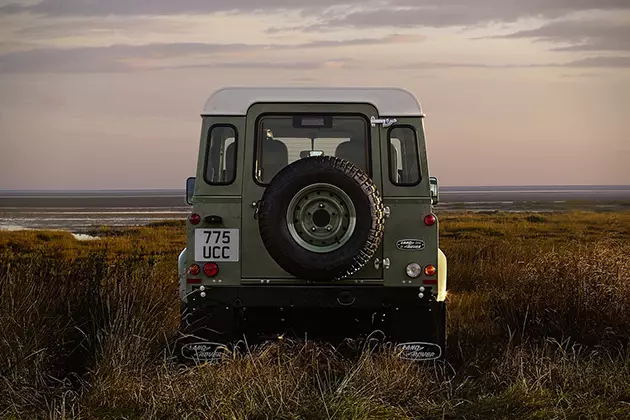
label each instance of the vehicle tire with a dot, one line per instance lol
(321, 218)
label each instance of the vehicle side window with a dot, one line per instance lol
(404, 162)
(221, 155)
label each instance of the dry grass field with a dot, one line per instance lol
(539, 328)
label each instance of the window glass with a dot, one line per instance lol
(404, 164)
(283, 139)
(221, 155)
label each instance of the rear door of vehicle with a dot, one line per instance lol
(257, 263)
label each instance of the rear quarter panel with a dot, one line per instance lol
(408, 207)
(218, 200)
(406, 221)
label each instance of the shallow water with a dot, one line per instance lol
(82, 211)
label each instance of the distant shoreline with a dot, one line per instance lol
(451, 188)
(174, 199)
(80, 211)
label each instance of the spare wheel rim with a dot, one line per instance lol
(321, 218)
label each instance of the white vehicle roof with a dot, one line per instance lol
(393, 102)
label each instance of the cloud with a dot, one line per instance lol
(590, 62)
(423, 12)
(580, 75)
(447, 13)
(115, 58)
(390, 39)
(44, 29)
(593, 35)
(127, 58)
(598, 62)
(338, 63)
(159, 7)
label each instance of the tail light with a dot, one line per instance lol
(194, 219)
(430, 270)
(430, 219)
(211, 269)
(194, 269)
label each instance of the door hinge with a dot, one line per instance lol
(256, 206)
(386, 263)
(385, 122)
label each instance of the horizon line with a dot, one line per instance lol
(441, 186)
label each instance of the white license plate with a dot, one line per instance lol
(216, 245)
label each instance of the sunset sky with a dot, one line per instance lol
(99, 94)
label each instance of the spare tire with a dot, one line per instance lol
(321, 218)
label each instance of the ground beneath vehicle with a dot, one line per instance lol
(312, 218)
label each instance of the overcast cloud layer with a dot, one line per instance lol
(567, 31)
(112, 78)
(432, 12)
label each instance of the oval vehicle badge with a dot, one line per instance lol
(204, 351)
(418, 351)
(410, 244)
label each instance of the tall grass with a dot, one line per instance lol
(539, 327)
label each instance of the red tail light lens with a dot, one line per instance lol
(430, 270)
(194, 269)
(430, 219)
(211, 269)
(194, 219)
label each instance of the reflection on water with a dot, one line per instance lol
(83, 220)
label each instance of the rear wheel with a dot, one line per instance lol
(321, 218)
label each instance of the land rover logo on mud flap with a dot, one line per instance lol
(204, 351)
(418, 351)
(410, 244)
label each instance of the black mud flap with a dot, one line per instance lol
(429, 349)
(231, 320)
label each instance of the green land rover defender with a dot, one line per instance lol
(312, 218)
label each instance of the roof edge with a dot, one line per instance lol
(236, 100)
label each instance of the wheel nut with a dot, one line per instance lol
(202, 294)
(313, 229)
(329, 229)
(321, 206)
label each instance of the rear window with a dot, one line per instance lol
(221, 155)
(404, 159)
(283, 139)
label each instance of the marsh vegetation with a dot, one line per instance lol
(538, 327)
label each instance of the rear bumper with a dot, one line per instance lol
(318, 313)
(312, 296)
